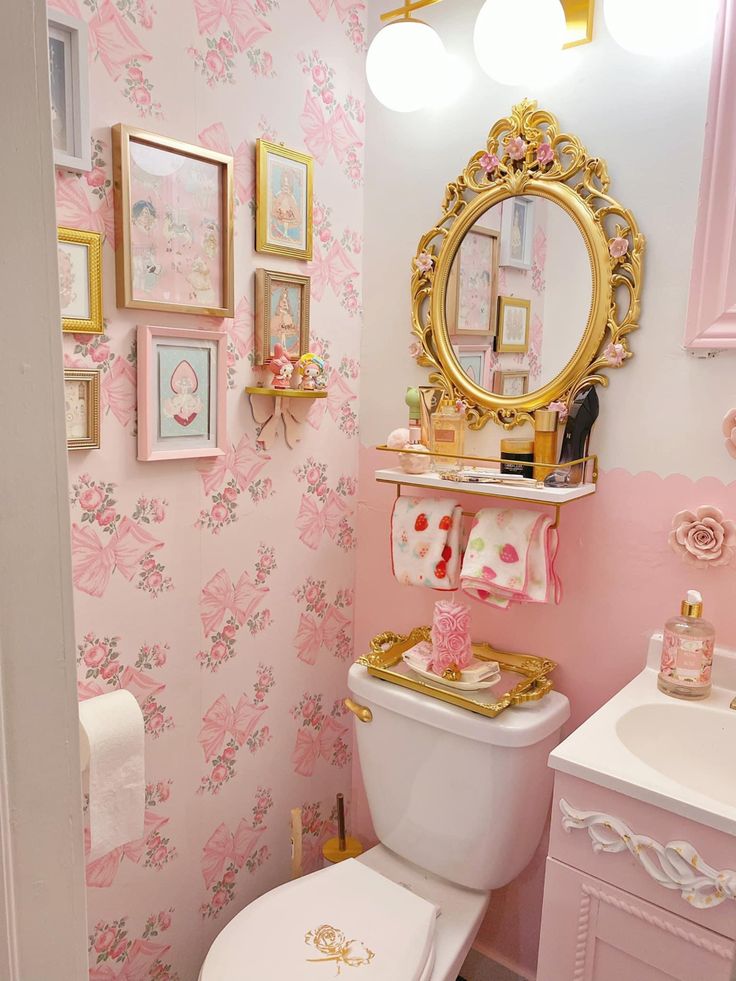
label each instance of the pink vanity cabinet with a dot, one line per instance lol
(633, 892)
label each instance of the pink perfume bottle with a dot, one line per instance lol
(687, 651)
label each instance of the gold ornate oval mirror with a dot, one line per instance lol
(527, 288)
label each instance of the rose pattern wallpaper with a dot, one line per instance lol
(220, 593)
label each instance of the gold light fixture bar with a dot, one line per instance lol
(410, 6)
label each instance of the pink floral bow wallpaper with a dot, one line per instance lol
(221, 595)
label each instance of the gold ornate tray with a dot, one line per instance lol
(384, 660)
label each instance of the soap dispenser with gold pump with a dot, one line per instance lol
(687, 651)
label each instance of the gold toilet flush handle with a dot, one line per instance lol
(362, 712)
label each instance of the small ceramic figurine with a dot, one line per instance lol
(311, 370)
(281, 367)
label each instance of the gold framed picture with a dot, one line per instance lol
(174, 221)
(82, 409)
(472, 288)
(282, 315)
(284, 201)
(512, 384)
(80, 280)
(512, 336)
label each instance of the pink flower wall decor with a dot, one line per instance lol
(729, 431)
(545, 154)
(618, 247)
(704, 538)
(516, 148)
(615, 354)
(489, 162)
(424, 262)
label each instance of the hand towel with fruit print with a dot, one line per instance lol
(510, 558)
(425, 542)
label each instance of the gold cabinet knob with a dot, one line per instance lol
(362, 712)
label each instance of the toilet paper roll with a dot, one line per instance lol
(111, 737)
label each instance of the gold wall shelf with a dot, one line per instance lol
(286, 393)
(277, 409)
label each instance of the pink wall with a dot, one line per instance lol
(243, 719)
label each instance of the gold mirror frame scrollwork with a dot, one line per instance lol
(561, 171)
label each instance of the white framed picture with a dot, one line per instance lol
(69, 86)
(517, 232)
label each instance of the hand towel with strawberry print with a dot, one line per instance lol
(510, 558)
(425, 542)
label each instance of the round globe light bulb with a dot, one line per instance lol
(402, 60)
(511, 39)
(660, 27)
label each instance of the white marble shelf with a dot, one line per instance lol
(531, 492)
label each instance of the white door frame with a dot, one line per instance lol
(42, 893)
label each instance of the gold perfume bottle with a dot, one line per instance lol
(448, 434)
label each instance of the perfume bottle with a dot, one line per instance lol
(448, 434)
(687, 651)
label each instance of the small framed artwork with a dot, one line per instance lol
(283, 201)
(69, 85)
(517, 232)
(80, 280)
(182, 379)
(472, 288)
(513, 325)
(82, 409)
(512, 384)
(473, 359)
(282, 315)
(174, 221)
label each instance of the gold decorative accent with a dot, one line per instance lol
(92, 379)
(453, 673)
(287, 393)
(579, 15)
(579, 184)
(93, 243)
(361, 712)
(410, 6)
(386, 654)
(263, 148)
(337, 948)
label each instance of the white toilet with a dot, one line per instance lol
(458, 802)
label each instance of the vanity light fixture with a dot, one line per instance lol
(510, 39)
(660, 27)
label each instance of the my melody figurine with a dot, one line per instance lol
(281, 367)
(311, 370)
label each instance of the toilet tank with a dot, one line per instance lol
(459, 794)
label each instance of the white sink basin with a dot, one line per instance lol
(676, 754)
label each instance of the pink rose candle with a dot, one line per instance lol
(451, 649)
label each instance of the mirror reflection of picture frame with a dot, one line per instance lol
(510, 384)
(475, 362)
(513, 325)
(80, 280)
(472, 288)
(517, 232)
(82, 409)
(182, 385)
(284, 201)
(282, 315)
(69, 87)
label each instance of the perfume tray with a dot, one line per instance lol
(523, 676)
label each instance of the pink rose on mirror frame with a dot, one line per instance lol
(219, 512)
(148, 564)
(95, 177)
(224, 46)
(118, 950)
(229, 877)
(327, 97)
(99, 353)
(164, 920)
(228, 753)
(163, 790)
(516, 148)
(214, 62)
(489, 162)
(703, 538)
(729, 431)
(545, 154)
(219, 773)
(94, 656)
(141, 95)
(135, 73)
(618, 247)
(104, 940)
(424, 262)
(230, 494)
(91, 498)
(218, 651)
(560, 408)
(154, 580)
(220, 898)
(109, 671)
(106, 517)
(615, 354)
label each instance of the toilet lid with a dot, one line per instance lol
(311, 929)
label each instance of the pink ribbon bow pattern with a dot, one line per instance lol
(243, 463)
(100, 872)
(313, 522)
(312, 634)
(331, 269)
(215, 137)
(223, 720)
(322, 135)
(239, 17)
(224, 848)
(220, 597)
(322, 8)
(113, 41)
(93, 563)
(310, 746)
(137, 966)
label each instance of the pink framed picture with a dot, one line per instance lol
(182, 380)
(475, 363)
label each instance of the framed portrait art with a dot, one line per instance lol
(82, 409)
(174, 222)
(283, 201)
(282, 315)
(69, 86)
(472, 288)
(513, 325)
(512, 384)
(517, 232)
(80, 280)
(473, 359)
(182, 379)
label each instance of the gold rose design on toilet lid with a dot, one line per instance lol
(337, 948)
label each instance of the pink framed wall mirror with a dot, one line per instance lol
(711, 316)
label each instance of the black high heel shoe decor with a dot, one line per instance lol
(583, 413)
